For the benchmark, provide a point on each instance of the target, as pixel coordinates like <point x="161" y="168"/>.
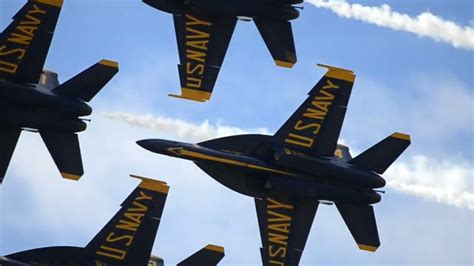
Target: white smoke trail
<point x="184" y="130"/>
<point x="444" y="182"/>
<point x="426" y="24"/>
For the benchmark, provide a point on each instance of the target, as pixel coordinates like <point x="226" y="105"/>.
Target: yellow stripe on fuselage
<point x="198" y="155"/>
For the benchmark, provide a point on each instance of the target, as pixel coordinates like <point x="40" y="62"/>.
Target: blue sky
<point x="404" y="83"/>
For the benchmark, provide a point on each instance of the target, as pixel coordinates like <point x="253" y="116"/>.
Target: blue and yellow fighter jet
<point x="32" y="99"/>
<point x="126" y="240"/>
<point x="204" y="29"/>
<point x="291" y="172"/>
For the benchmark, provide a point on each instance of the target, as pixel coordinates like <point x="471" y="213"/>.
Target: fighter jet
<point x="298" y="167"/>
<point x="32" y="99"/>
<point x="204" y="29"/>
<point x="126" y="240"/>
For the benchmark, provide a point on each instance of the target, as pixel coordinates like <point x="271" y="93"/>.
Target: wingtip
<point x="284" y="63"/>
<point x="215" y="248"/>
<point x="109" y="63"/>
<point x="56" y="3"/>
<point x="401" y="136"/>
<point x="367" y="247"/>
<point x="70" y="176"/>
<point x="339" y="73"/>
<point x="193" y="95"/>
<point x="152" y="184"/>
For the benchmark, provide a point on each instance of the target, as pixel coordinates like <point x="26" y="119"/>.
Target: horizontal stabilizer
<point x="380" y="156"/>
<point x="89" y="82"/>
<point x="8" y="140"/>
<point x="66" y="153"/>
<point x="278" y="37"/>
<point x="209" y="255"/>
<point x="360" y="219"/>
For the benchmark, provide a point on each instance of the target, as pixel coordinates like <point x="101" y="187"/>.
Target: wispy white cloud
<point x="425" y="24"/>
<point x="441" y="181"/>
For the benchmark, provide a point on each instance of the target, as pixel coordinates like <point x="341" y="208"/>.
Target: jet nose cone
<point x="147" y="144"/>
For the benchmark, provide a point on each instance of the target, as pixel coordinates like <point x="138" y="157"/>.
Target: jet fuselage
<point x="35" y="107"/>
<point x="255" y="174"/>
<point x="283" y="10"/>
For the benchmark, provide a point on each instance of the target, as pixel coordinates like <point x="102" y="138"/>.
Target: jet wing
<point x="278" y="37"/>
<point x="315" y="127"/>
<point x="24" y="44"/>
<point x="361" y="222"/>
<point x="8" y="140"/>
<point x="284" y="228"/>
<point x="202" y="44"/>
<point x="209" y="255"/>
<point x="66" y="153"/>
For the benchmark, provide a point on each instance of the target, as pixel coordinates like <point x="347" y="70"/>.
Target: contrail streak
<point x="424" y="25"/>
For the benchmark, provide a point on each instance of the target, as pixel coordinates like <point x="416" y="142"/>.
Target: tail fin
<point x="89" y="82"/>
<point x="24" y="44"/>
<point x="209" y="255"/>
<point x="380" y="156"/>
<point x="128" y="237"/>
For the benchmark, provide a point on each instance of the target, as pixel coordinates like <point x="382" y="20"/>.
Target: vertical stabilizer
<point x="128" y="237"/>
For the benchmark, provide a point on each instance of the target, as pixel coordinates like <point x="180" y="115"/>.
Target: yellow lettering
<point x="322" y="105"/>
<point x="144" y="196"/>
<point x="36" y="10"/>
<point x="277" y="239"/>
<point x="136" y="217"/>
<point x="330" y="85"/>
<point x="278" y="217"/>
<point x="119" y="254"/>
<point x="299" y="126"/>
<point x="195" y="55"/>
<point x="31" y="21"/>
<point x="199" y="68"/>
<point x="281" y="252"/>
<point x="28" y="30"/>
<point x="20" y="51"/>
<point x="193" y="82"/>
<point x="140" y="207"/>
<point x="198" y="44"/>
<point x="283" y="228"/>
<point x="279" y="263"/>
<point x="8" y="67"/>
<point x="19" y="38"/>
<point x="314" y="114"/>
<point x="273" y="204"/>
<point x="197" y="34"/>
<point x="328" y="96"/>
<point x="127" y="225"/>
<point x="299" y="140"/>
<point x="195" y="21"/>
<point x="111" y="239"/>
